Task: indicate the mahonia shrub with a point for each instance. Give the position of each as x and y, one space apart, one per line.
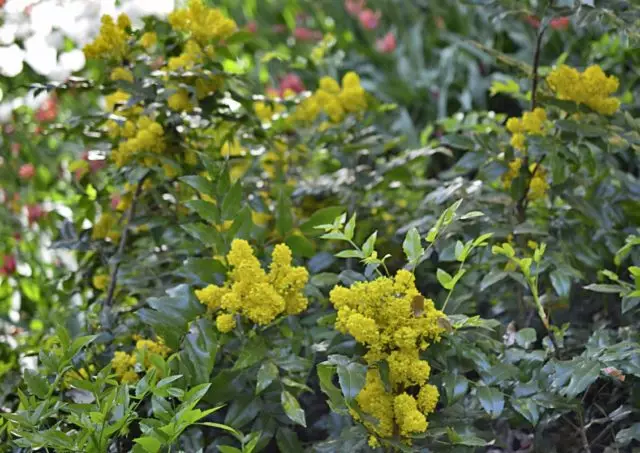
199 311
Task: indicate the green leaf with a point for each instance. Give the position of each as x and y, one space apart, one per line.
491 399
150 444
455 387
369 245
351 377
292 408
287 440
603 288
526 337
201 184
36 383
583 374
252 353
205 234
445 279
527 408
267 373
205 269
627 435
491 278
232 201
349 254
228 449
350 228
199 352
205 209
412 246
321 217
284 217
301 246
336 402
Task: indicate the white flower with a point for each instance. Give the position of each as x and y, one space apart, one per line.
40 55
11 59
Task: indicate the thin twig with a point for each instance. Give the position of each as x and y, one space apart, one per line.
583 434
123 242
521 206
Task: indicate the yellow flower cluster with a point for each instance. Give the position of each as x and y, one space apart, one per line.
531 123
334 101
537 187
111 42
124 364
395 323
254 293
201 22
191 55
145 135
592 87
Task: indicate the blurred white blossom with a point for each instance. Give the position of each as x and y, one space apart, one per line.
37 32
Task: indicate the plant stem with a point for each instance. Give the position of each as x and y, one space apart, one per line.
123 242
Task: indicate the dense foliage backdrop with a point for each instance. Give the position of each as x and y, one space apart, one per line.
320 226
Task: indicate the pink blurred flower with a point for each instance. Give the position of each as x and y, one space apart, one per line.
15 149
252 26
306 34
8 265
115 201
34 213
369 19
534 21
560 23
354 7
48 111
291 82
387 44
27 171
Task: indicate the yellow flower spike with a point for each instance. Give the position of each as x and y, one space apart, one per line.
409 419
592 88
111 42
253 293
202 23
225 322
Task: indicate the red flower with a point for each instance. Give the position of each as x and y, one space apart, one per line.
354 7
291 82
369 19
252 26
48 111
27 171
306 34
34 213
560 23
533 21
17 236
386 44
8 265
